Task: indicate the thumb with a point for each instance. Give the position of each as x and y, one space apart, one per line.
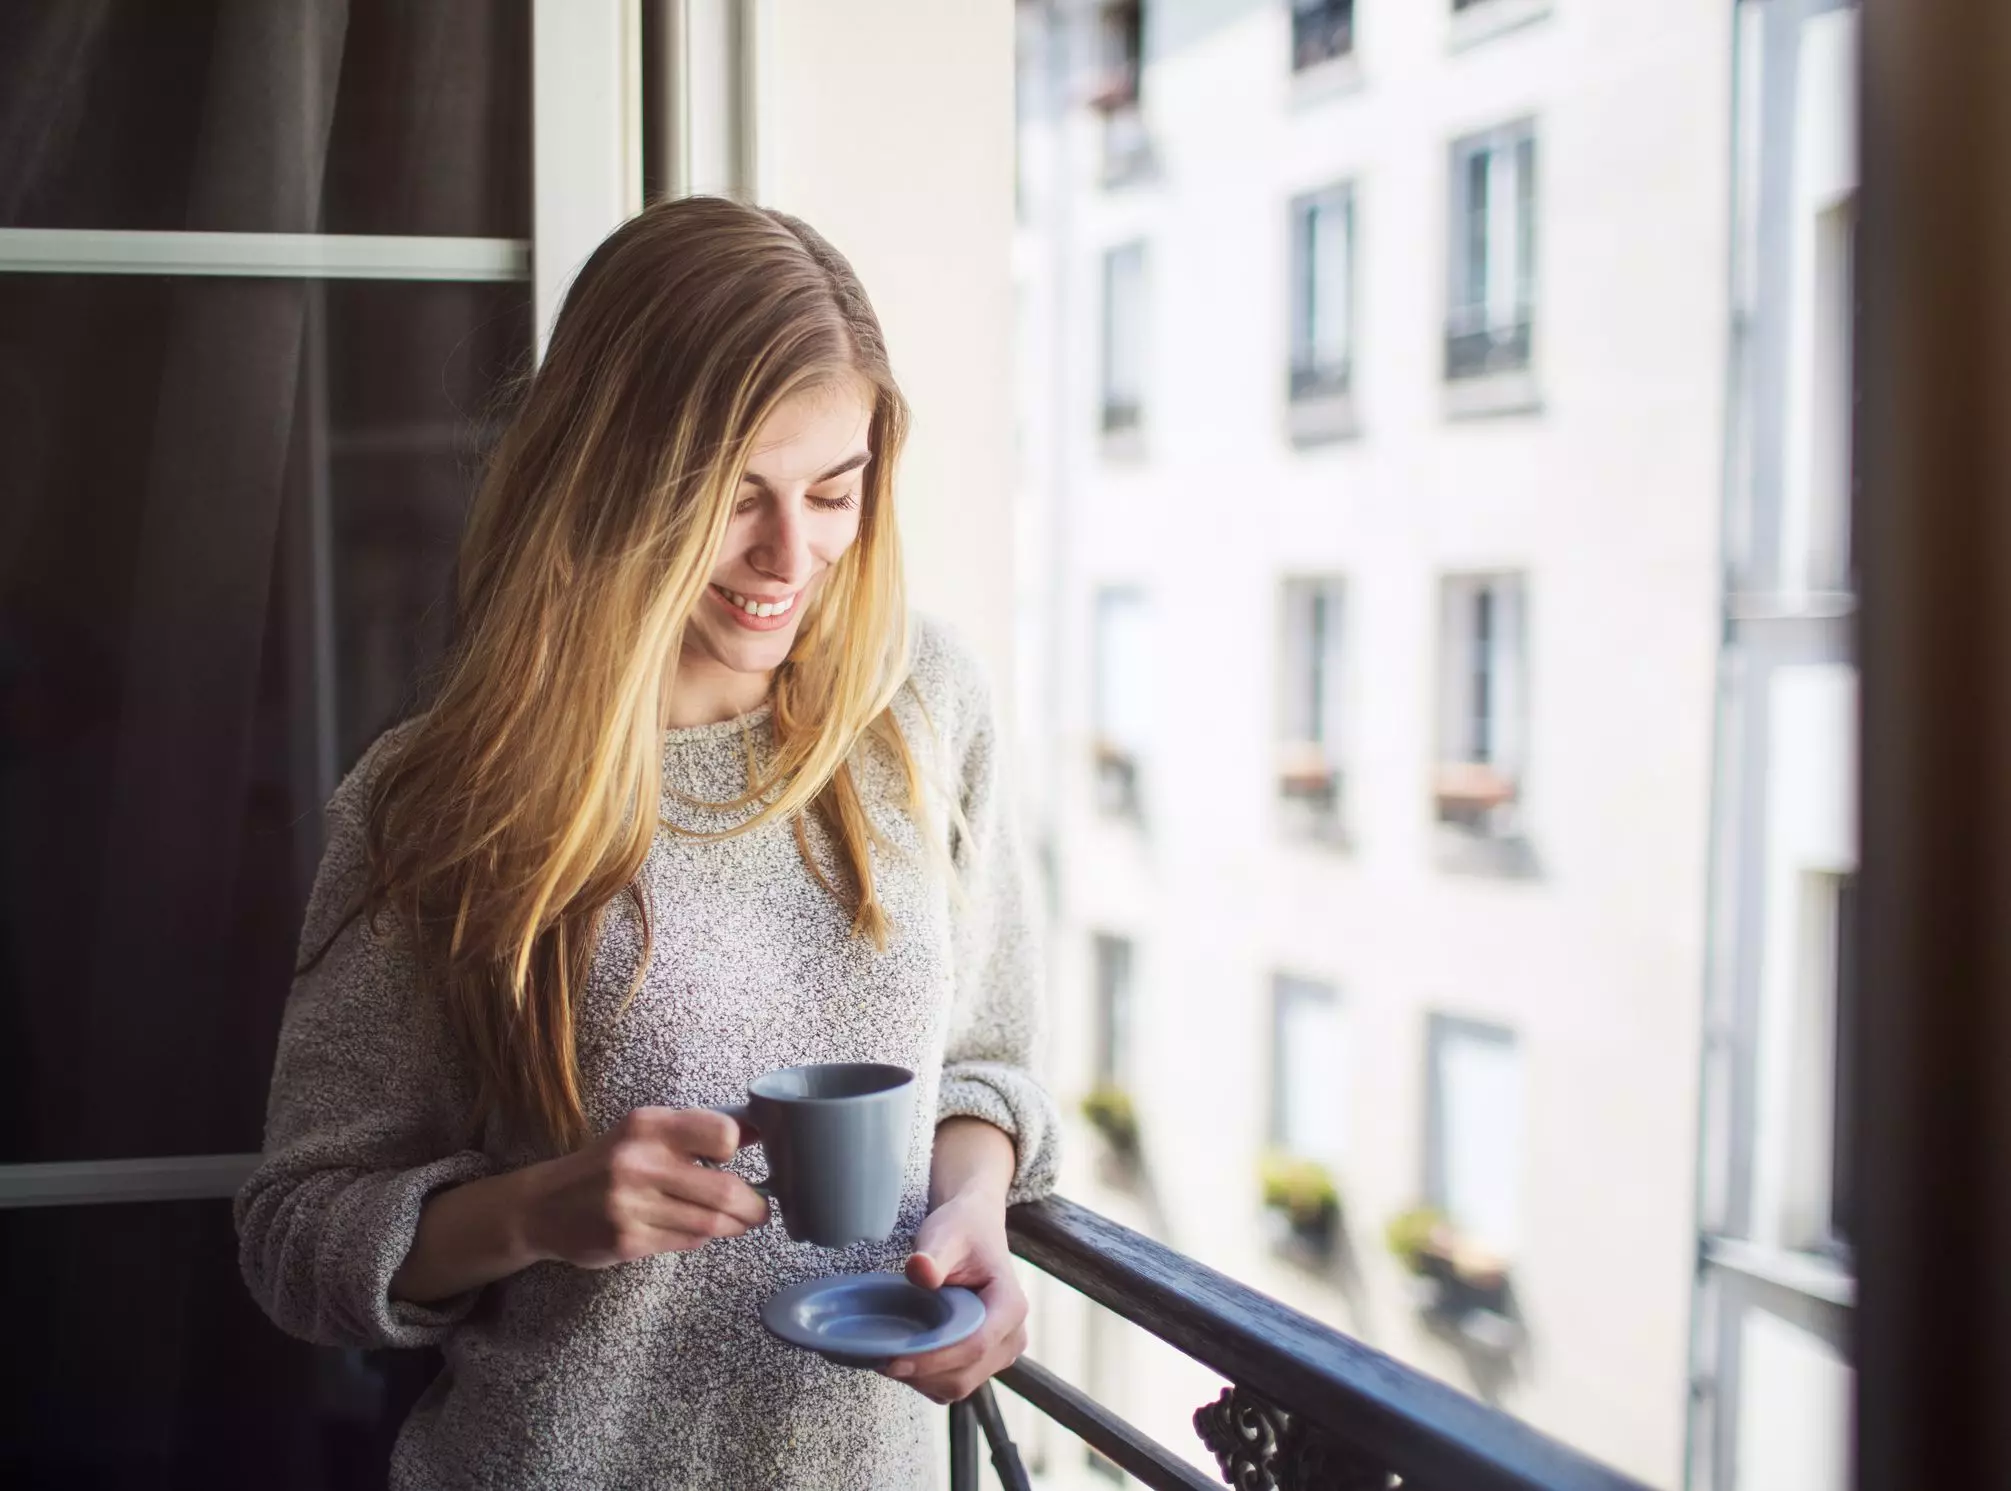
927 1271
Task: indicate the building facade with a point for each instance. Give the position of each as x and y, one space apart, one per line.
1370 468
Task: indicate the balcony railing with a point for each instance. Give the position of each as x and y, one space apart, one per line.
1308 1407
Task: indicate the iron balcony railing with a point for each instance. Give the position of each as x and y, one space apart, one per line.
1308 1407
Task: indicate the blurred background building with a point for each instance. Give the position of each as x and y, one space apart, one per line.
1380 374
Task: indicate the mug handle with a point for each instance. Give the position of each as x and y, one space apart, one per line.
741 1114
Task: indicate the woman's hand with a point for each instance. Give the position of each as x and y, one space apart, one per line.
963 1241
638 1190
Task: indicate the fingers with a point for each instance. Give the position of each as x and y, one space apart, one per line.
652 1151
697 1132
955 1372
718 1191
698 1223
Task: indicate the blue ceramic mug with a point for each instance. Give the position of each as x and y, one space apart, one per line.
836 1136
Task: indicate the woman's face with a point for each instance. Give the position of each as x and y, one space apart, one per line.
798 513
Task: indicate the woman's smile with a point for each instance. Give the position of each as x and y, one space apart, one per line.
758 613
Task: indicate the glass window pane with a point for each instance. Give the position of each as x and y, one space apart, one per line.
227 520
1124 703
1477 174
1478 1077
1330 283
1312 1094
151 1366
375 117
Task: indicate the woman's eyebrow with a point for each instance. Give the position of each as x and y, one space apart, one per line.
850 463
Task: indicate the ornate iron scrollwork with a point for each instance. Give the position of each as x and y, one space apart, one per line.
1263 1448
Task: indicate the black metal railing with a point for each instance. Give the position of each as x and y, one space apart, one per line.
1308 1407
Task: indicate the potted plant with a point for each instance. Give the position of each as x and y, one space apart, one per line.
1109 1111
1465 1285
1303 1194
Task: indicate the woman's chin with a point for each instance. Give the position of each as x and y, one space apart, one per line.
742 651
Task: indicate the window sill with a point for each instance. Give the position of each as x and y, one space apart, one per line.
1506 856
1808 1274
1493 395
1337 77
1488 19
1124 444
1321 419
1306 827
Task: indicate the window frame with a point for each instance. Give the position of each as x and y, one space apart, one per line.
1495 334
1442 1032
1126 270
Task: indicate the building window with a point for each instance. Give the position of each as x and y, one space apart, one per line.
1309 1069
1483 693
1117 89
1817 1199
1311 716
1323 295
1473 1132
1122 710
1123 338
1832 401
1322 30
1113 1010
1492 302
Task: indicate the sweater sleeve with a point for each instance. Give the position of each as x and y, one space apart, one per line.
366 1118
995 1017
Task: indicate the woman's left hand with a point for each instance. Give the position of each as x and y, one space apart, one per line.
963 1241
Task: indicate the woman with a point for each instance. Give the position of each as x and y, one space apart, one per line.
688 805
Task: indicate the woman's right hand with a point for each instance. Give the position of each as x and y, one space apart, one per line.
639 1190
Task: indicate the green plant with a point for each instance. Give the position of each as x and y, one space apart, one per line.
1413 1234
1109 1111
1303 1189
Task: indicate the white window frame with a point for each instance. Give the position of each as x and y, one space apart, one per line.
1313 711
1323 236
1114 981
1505 312
1479 759
1126 336
1121 713
1501 1233
1308 1037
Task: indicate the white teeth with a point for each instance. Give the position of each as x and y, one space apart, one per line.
758 608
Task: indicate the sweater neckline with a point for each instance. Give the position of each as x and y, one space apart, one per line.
739 724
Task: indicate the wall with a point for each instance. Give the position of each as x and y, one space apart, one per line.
889 126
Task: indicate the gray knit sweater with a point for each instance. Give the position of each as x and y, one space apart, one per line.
658 1374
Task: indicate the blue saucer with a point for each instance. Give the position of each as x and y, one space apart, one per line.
863 1320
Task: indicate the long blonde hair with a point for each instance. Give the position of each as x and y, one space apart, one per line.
526 798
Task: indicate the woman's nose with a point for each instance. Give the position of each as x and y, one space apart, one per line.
781 549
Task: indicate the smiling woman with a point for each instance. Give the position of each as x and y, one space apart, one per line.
686 808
